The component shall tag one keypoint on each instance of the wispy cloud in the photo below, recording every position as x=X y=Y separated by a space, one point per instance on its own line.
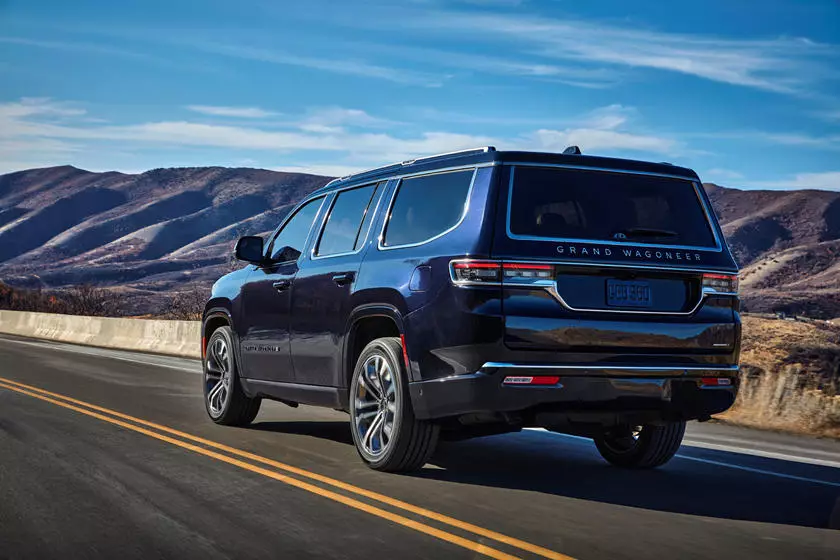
x=234 y=112
x=720 y=174
x=337 y=65
x=39 y=106
x=334 y=119
x=829 y=180
x=601 y=130
x=103 y=49
x=511 y=64
x=786 y=65
x=343 y=132
x=830 y=142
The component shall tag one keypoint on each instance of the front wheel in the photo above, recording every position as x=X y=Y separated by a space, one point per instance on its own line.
x=224 y=399
x=387 y=435
x=641 y=447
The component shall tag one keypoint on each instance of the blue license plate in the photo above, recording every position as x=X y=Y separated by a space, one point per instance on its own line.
x=628 y=293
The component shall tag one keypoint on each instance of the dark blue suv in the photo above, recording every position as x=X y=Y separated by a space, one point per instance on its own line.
x=481 y=292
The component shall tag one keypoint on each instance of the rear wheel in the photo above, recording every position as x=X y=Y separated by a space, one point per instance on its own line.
x=641 y=447
x=387 y=435
x=224 y=399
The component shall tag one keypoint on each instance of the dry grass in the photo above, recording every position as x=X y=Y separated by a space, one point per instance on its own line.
x=790 y=377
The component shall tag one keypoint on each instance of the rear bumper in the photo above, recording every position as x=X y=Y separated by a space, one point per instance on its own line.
x=672 y=392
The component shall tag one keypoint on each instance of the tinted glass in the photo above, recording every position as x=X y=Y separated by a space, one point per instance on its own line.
x=345 y=221
x=595 y=205
x=426 y=206
x=296 y=230
x=374 y=202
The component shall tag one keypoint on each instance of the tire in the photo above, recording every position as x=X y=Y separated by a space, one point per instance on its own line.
x=225 y=401
x=641 y=447
x=411 y=441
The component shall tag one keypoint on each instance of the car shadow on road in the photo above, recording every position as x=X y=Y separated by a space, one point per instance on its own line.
x=551 y=464
x=334 y=431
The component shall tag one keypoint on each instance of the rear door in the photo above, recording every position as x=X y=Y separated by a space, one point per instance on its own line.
x=608 y=261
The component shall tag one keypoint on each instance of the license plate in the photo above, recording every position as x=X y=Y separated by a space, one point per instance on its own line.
x=626 y=293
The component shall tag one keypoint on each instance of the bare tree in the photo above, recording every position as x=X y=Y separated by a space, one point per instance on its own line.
x=187 y=304
x=78 y=300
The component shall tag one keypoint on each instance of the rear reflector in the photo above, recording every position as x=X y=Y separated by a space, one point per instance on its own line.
x=526 y=380
x=721 y=283
x=405 y=353
x=716 y=382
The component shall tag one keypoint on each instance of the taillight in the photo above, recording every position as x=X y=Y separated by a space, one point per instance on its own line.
x=721 y=283
x=476 y=272
x=514 y=271
x=467 y=271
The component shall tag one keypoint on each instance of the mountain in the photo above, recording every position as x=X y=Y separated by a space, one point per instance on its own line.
x=161 y=231
x=147 y=233
x=788 y=246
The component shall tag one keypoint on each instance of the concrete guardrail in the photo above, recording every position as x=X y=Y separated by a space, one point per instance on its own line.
x=176 y=338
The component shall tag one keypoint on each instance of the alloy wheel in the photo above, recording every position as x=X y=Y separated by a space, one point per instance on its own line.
x=217 y=377
x=376 y=405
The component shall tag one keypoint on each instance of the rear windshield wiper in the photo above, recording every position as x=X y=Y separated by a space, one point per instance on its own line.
x=643 y=232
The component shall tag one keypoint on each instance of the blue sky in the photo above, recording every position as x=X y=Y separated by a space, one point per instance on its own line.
x=747 y=93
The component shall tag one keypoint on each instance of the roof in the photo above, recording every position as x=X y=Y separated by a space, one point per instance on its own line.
x=489 y=154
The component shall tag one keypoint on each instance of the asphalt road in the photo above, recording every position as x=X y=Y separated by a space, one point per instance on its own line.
x=131 y=479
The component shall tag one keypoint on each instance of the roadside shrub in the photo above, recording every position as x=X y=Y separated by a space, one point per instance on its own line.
x=78 y=300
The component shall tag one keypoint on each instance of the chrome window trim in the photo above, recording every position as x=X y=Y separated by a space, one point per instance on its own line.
x=380 y=246
x=479 y=150
x=618 y=367
x=400 y=176
x=704 y=293
x=363 y=237
x=712 y=224
x=445 y=170
x=664 y=267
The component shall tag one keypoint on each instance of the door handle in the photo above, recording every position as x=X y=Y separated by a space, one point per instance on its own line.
x=281 y=285
x=343 y=279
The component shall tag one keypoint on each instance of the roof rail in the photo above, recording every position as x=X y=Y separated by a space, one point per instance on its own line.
x=425 y=159
x=447 y=155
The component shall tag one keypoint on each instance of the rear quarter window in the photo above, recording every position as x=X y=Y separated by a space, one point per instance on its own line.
x=560 y=204
x=427 y=206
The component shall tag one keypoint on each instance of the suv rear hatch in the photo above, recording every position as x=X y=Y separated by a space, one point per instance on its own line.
x=612 y=262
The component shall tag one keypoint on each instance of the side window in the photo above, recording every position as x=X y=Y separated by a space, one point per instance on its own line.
x=427 y=206
x=295 y=232
x=344 y=224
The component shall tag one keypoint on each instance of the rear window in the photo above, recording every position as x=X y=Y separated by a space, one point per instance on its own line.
x=559 y=204
x=427 y=206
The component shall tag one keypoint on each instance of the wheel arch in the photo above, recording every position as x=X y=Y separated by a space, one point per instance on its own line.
x=216 y=314
x=367 y=323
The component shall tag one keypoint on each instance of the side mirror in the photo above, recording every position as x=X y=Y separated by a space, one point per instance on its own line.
x=250 y=249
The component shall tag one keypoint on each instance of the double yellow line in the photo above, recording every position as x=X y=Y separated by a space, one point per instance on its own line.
x=234 y=457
